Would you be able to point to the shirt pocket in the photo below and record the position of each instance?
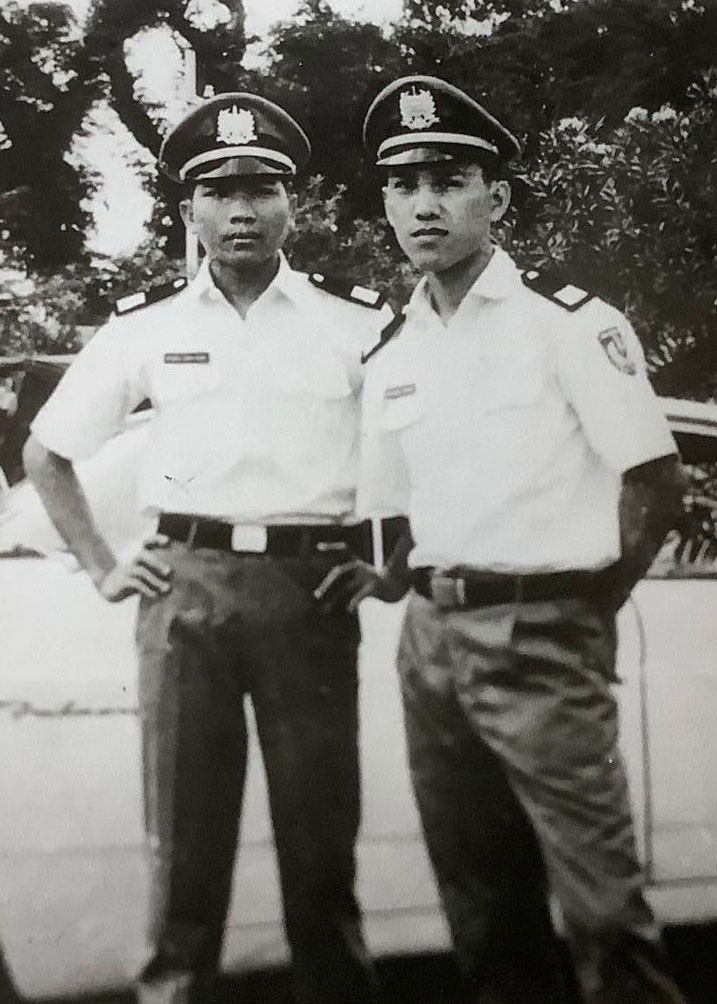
(401, 413)
(175, 382)
(512, 392)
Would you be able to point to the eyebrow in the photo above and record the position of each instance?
(439, 170)
(238, 182)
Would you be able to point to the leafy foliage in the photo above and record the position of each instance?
(362, 249)
(325, 69)
(54, 310)
(632, 212)
(46, 85)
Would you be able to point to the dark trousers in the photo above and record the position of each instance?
(236, 625)
(513, 742)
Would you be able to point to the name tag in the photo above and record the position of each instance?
(186, 357)
(404, 390)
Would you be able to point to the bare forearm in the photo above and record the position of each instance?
(64, 500)
(650, 505)
(350, 583)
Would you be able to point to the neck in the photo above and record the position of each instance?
(242, 286)
(449, 287)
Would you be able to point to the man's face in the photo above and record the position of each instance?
(240, 221)
(441, 213)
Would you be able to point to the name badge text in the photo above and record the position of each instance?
(186, 357)
(404, 390)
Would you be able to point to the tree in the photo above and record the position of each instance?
(325, 69)
(432, 14)
(46, 86)
(606, 57)
(535, 61)
(52, 71)
(219, 48)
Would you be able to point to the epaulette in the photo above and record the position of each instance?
(135, 301)
(392, 328)
(347, 290)
(552, 285)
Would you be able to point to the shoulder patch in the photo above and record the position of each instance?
(615, 348)
(552, 285)
(392, 328)
(347, 290)
(135, 301)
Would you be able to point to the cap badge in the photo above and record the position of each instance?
(236, 126)
(418, 109)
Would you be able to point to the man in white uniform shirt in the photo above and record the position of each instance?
(511, 418)
(254, 372)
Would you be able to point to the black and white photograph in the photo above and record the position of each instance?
(358, 502)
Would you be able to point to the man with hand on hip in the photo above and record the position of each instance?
(254, 374)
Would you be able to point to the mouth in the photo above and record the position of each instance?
(241, 237)
(429, 232)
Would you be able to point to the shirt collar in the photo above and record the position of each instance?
(496, 282)
(202, 285)
(498, 279)
(286, 283)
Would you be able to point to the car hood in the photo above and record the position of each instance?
(109, 480)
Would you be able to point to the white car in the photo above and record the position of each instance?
(72, 875)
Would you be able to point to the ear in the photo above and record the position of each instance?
(500, 194)
(186, 211)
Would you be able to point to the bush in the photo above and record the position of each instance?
(51, 312)
(632, 213)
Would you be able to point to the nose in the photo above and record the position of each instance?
(242, 209)
(425, 203)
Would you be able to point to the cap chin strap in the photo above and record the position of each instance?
(428, 138)
(258, 152)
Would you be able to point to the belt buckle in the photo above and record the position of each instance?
(324, 546)
(447, 591)
(249, 538)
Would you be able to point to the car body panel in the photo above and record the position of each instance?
(681, 698)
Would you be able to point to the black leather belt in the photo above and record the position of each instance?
(285, 540)
(454, 588)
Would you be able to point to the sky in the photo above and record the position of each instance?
(120, 207)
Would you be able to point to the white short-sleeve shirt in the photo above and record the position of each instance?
(256, 420)
(504, 434)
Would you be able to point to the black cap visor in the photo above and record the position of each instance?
(238, 167)
(436, 154)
